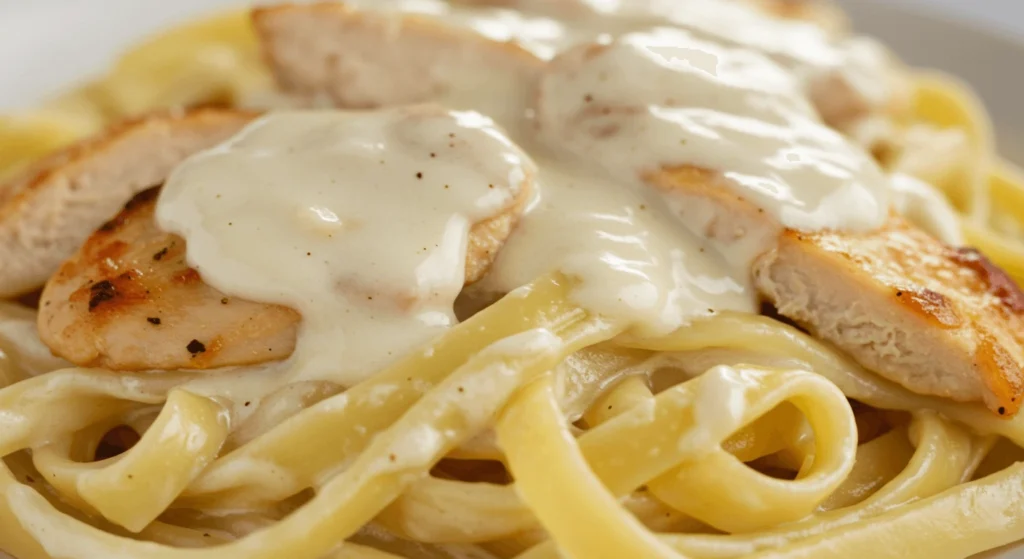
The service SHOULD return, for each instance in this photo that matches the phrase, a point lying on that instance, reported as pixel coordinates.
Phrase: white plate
(47, 44)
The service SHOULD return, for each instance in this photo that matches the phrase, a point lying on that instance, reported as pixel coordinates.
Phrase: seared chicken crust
(129, 300)
(49, 210)
(938, 320)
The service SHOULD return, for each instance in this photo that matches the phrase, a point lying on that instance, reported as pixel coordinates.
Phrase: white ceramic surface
(45, 44)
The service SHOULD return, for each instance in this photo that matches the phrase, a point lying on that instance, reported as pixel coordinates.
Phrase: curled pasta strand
(454, 410)
(615, 450)
(550, 471)
(140, 484)
(988, 515)
(775, 340)
(291, 454)
(943, 452)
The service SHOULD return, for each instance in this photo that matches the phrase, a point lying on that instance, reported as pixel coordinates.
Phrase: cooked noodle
(535, 427)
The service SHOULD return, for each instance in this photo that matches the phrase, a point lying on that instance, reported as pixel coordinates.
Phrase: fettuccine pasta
(519, 316)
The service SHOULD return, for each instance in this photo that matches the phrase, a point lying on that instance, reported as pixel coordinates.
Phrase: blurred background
(981, 41)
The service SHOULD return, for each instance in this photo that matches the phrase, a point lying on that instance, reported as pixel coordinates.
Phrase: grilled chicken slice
(365, 59)
(129, 301)
(361, 59)
(935, 319)
(49, 210)
(938, 320)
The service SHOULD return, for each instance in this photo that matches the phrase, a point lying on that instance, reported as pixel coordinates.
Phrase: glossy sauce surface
(588, 100)
(357, 220)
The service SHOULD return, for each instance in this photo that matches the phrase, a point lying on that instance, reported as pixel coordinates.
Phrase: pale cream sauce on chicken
(360, 221)
(587, 125)
(597, 119)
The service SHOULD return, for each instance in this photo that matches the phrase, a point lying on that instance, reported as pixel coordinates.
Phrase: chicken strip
(935, 319)
(50, 209)
(129, 300)
(362, 59)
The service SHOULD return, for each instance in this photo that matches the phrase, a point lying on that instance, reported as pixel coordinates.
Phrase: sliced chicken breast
(48, 211)
(360, 59)
(129, 301)
(936, 319)
(939, 320)
(365, 59)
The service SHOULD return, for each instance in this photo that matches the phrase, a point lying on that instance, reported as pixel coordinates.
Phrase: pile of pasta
(618, 446)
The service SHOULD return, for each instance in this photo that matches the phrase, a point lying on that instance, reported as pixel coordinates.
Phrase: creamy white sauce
(664, 98)
(636, 262)
(720, 405)
(927, 208)
(321, 211)
(822, 62)
(359, 221)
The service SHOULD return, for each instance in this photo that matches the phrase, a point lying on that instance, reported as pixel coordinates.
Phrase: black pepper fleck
(419, 175)
(195, 347)
(160, 254)
(1001, 410)
(100, 292)
(153, 320)
(247, 404)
